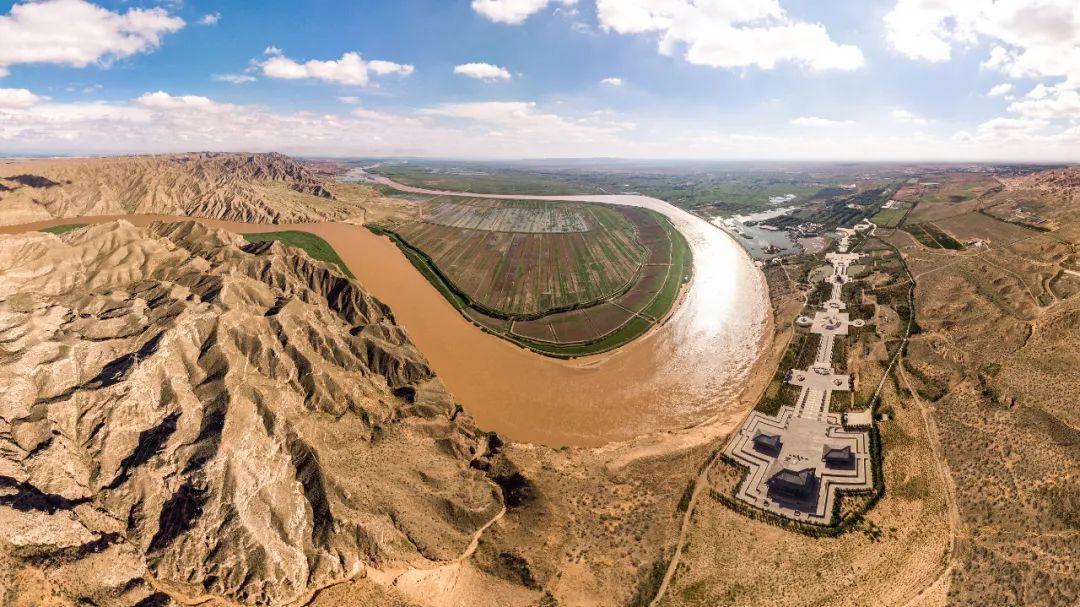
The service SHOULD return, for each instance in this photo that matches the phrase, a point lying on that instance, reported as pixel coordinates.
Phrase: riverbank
(638, 322)
(680, 374)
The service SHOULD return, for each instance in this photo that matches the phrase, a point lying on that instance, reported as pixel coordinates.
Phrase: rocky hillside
(261, 188)
(187, 415)
(1059, 180)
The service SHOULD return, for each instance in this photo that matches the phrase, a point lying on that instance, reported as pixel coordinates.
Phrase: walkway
(807, 432)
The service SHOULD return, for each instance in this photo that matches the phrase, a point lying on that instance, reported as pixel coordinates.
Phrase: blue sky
(783, 79)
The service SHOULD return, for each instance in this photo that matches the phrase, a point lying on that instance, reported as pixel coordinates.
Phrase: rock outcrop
(261, 188)
(188, 415)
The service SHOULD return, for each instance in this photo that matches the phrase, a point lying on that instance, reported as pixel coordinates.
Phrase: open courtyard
(800, 458)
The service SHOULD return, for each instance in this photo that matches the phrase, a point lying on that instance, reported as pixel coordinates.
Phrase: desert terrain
(197, 417)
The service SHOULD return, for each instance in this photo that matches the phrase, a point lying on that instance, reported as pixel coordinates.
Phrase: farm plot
(564, 279)
(523, 217)
(520, 274)
(932, 236)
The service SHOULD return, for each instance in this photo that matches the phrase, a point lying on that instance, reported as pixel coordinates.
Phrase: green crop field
(726, 187)
(517, 272)
(889, 218)
(564, 279)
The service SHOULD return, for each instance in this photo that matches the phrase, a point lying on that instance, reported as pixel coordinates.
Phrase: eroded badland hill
(187, 413)
(259, 188)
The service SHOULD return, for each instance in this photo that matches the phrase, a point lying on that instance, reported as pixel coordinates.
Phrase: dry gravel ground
(1006, 342)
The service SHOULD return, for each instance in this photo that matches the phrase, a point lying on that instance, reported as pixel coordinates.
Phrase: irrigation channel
(681, 373)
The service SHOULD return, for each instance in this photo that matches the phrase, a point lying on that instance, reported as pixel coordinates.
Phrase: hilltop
(259, 188)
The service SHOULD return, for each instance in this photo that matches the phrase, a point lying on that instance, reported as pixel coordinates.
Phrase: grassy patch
(67, 227)
(889, 218)
(316, 247)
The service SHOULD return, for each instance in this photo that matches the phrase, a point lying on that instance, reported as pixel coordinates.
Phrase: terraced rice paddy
(561, 278)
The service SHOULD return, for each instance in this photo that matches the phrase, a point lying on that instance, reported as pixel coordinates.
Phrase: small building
(794, 483)
(837, 457)
(769, 443)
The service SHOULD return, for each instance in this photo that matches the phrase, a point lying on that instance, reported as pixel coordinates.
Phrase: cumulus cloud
(210, 19)
(512, 12)
(350, 69)
(817, 122)
(906, 117)
(77, 33)
(612, 81)
(233, 78)
(748, 33)
(1044, 102)
(164, 101)
(164, 122)
(160, 121)
(1028, 38)
(524, 120)
(1024, 39)
(17, 99)
(483, 71)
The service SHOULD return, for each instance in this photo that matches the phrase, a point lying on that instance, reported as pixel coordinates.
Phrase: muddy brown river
(682, 373)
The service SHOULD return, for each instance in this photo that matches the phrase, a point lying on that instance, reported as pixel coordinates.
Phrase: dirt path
(940, 582)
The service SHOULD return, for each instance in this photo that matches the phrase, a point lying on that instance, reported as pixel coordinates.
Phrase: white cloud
(17, 99)
(1030, 38)
(271, 50)
(351, 69)
(483, 71)
(210, 19)
(1001, 130)
(512, 12)
(747, 33)
(164, 101)
(612, 81)
(233, 78)
(816, 122)
(1061, 101)
(349, 99)
(493, 129)
(158, 122)
(524, 120)
(902, 115)
(1000, 90)
(77, 33)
